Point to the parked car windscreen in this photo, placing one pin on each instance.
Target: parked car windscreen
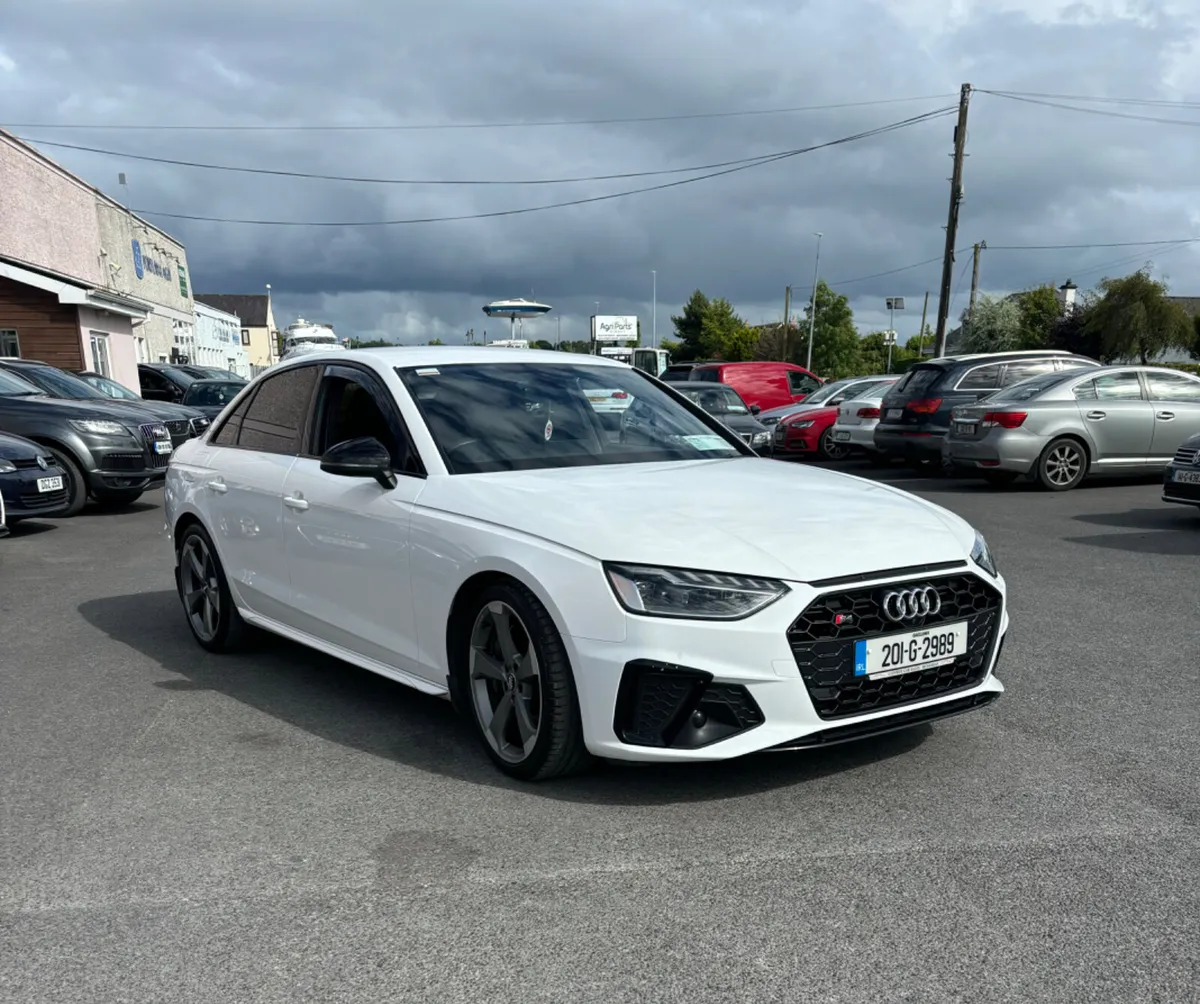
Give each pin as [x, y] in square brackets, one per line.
[528, 416]
[110, 388]
[206, 393]
[176, 375]
[61, 384]
[13, 386]
[716, 400]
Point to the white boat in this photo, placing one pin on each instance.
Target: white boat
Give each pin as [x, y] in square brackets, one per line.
[301, 337]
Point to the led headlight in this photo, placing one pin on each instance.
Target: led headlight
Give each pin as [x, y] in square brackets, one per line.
[801, 425]
[760, 438]
[682, 592]
[981, 554]
[99, 427]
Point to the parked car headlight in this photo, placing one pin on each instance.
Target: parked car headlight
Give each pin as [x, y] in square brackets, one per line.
[981, 554]
[7, 466]
[760, 438]
[801, 425]
[681, 592]
[100, 427]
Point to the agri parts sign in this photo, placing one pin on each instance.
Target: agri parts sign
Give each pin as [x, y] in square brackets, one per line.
[615, 329]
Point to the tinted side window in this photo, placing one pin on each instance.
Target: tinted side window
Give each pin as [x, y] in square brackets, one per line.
[351, 408]
[1169, 387]
[802, 383]
[1016, 372]
[980, 378]
[276, 415]
[227, 434]
[152, 381]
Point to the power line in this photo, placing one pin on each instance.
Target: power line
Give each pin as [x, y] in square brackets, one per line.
[1088, 247]
[1106, 113]
[878, 131]
[272, 172]
[1101, 99]
[479, 125]
[891, 271]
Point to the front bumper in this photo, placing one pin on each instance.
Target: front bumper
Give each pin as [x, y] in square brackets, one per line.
[763, 689]
[1179, 492]
[132, 462]
[788, 439]
[23, 499]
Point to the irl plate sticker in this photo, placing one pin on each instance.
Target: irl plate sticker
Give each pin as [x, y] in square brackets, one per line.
[549, 430]
[860, 658]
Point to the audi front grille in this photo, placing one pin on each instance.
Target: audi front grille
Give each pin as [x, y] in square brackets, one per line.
[823, 638]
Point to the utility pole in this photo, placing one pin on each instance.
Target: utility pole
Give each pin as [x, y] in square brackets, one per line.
[981, 246]
[960, 142]
[812, 309]
[921, 330]
[787, 325]
[654, 309]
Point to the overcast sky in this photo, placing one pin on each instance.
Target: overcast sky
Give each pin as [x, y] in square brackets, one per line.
[1035, 175]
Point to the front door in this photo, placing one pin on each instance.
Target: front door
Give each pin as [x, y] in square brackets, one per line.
[1118, 420]
[347, 538]
[248, 461]
[1176, 402]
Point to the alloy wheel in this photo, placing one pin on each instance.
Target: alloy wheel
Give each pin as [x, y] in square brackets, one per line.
[505, 682]
[1063, 465]
[200, 588]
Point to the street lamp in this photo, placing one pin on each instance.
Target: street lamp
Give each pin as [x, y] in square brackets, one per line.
[654, 312]
[894, 303]
[812, 309]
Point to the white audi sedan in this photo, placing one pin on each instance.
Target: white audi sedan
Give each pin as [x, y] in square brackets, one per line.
[462, 521]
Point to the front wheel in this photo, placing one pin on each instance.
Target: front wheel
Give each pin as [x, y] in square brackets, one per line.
[1062, 465]
[516, 681]
[204, 590]
[73, 480]
[830, 448]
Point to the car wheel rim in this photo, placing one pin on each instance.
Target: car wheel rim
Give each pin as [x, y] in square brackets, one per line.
[1063, 465]
[505, 682]
[201, 588]
[834, 451]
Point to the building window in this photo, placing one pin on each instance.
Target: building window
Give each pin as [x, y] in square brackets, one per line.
[139, 345]
[9, 346]
[245, 336]
[100, 363]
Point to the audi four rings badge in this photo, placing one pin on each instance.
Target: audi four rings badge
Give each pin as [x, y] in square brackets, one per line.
[906, 604]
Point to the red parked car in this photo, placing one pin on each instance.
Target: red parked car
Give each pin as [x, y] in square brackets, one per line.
[766, 384]
[809, 433]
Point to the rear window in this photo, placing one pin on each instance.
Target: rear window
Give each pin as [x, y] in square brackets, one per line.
[920, 379]
[708, 376]
[980, 378]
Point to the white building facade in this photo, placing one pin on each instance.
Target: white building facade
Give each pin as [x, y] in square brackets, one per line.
[217, 341]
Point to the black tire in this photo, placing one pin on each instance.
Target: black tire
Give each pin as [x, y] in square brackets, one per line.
[999, 479]
[116, 498]
[488, 672]
[228, 630]
[1063, 465]
[73, 479]
[831, 450]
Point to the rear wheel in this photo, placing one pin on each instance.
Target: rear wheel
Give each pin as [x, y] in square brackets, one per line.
[204, 591]
[1062, 465]
[73, 481]
[830, 449]
[517, 686]
[116, 498]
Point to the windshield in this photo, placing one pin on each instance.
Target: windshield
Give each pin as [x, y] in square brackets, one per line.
[716, 400]
[829, 390]
[531, 416]
[176, 375]
[12, 385]
[1027, 390]
[312, 339]
[110, 388]
[212, 394]
[60, 384]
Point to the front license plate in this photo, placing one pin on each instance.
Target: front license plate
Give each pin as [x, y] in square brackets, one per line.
[842, 437]
[894, 413]
[1187, 477]
[161, 447]
[964, 428]
[50, 484]
[896, 654]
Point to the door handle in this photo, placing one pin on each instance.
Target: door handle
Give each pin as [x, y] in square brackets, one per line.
[1165, 416]
[218, 486]
[297, 502]
[1096, 416]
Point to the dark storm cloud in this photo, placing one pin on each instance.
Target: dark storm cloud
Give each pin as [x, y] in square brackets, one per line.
[1035, 175]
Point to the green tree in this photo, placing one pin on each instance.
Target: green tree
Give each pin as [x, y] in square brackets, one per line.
[374, 343]
[541, 343]
[1196, 340]
[1039, 312]
[836, 345]
[1073, 333]
[436, 341]
[1134, 319]
[689, 325]
[993, 326]
[724, 335]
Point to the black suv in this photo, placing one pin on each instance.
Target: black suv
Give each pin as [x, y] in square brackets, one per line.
[916, 411]
[164, 382]
[104, 449]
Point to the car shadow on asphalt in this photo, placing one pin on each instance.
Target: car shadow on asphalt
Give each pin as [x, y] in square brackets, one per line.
[354, 708]
[1168, 530]
[30, 528]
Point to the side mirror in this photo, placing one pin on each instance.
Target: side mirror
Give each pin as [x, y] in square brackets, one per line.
[366, 457]
[836, 401]
[755, 409]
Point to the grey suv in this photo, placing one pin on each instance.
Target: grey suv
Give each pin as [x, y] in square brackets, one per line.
[105, 450]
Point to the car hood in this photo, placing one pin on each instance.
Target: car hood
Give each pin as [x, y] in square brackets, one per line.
[66, 408]
[785, 410]
[16, 448]
[164, 411]
[744, 515]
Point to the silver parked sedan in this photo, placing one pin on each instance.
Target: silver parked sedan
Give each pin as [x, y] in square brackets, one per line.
[1059, 428]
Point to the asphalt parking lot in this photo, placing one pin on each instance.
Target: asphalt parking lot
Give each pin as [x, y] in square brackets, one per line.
[277, 826]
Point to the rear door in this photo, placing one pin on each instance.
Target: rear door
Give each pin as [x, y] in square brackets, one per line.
[1175, 399]
[1117, 417]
